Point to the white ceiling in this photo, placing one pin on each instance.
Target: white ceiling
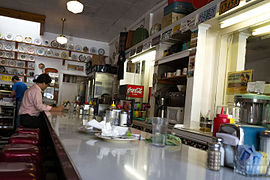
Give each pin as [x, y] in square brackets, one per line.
[101, 20]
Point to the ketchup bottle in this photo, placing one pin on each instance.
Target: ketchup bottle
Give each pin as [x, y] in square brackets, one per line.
[218, 120]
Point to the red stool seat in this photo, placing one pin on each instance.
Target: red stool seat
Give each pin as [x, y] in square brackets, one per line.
[17, 171]
[22, 130]
[21, 153]
[24, 139]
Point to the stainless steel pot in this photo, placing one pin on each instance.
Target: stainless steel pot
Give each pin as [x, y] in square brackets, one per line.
[254, 109]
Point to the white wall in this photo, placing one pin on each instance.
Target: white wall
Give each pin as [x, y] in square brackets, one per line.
[32, 29]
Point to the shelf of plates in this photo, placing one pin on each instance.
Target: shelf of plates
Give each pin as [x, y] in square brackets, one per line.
[18, 57]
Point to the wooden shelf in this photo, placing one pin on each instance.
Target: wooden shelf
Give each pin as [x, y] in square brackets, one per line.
[172, 80]
[16, 59]
[16, 75]
[173, 57]
[52, 57]
[49, 47]
[18, 67]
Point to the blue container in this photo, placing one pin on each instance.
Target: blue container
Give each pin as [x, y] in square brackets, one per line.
[179, 7]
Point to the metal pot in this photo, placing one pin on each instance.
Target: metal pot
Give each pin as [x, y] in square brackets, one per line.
[254, 109]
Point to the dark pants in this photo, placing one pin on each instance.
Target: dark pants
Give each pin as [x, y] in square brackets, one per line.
[36, 122]
[17, 116]
[32, 121]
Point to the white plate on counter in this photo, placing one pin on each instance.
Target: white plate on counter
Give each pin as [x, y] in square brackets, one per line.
[118, 139]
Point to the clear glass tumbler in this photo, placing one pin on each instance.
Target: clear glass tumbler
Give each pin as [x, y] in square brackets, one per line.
[159, 131]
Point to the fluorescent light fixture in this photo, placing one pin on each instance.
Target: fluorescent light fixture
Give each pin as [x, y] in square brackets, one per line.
[261, 30]
[252, 13]
[75, 6]
[133, 172]
[148, 56]
[61, 39]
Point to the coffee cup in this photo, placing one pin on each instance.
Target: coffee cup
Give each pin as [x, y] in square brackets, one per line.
[178, 72]
[185, 71]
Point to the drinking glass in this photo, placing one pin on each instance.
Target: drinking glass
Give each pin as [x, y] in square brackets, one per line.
[159, 131]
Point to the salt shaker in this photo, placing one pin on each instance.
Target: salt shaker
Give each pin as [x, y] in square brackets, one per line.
[222, 151]
[213, 156]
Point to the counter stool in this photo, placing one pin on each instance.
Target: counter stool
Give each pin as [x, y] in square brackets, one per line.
[22, 153]
[24, 139]
[22, 130]
[17, 171]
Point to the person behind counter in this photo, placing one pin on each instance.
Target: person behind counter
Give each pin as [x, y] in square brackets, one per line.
[18, 90]
[32, 105]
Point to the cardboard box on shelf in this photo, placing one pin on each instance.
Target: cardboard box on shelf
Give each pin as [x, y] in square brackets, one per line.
[171, 18]
[129, 39]
[98, 60]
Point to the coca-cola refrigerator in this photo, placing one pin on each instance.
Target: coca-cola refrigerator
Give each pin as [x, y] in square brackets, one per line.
[131, 92]
[129, 95]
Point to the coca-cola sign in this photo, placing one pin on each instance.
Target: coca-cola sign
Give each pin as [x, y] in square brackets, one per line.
[135, 91]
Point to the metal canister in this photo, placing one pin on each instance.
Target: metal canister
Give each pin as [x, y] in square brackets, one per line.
[213, 156]
[123, 118]
[117, 117]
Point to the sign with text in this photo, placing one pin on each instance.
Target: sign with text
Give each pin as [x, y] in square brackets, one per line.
[228, 5]
[207, 14]
[6, 78]
[135, 91]
[237, 81]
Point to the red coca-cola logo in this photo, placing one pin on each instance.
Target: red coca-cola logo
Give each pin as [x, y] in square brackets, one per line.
[135, 91]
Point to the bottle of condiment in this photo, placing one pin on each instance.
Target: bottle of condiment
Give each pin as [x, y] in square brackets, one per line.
[218, 120]
[213, 156]
[91, 109]
[113, 106]
[162, 109]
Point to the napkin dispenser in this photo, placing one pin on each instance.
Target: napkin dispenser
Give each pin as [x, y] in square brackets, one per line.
[247, 134]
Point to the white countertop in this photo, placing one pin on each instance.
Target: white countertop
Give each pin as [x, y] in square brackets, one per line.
[97, 159]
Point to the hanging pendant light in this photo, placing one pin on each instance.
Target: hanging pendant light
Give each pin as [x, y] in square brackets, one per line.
[62, 39]
[75, 6]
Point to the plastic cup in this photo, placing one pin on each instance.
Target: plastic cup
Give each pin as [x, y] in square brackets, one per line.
[159, 131]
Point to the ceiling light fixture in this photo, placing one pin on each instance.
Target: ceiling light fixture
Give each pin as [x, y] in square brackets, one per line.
[75, 6]
[261, 30]
[62, 39]
[252, 13]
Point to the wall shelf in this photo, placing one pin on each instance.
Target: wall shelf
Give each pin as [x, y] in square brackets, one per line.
[49, 47]
[173, 57]
[172, 80]
[51, 57]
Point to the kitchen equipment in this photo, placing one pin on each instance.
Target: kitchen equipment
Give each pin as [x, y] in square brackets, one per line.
[265, 142]
[213, 156]
[175, 115]
[254, 109]
[175, 99]
[218, 120]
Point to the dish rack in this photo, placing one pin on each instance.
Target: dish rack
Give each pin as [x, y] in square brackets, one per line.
[250, 169]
